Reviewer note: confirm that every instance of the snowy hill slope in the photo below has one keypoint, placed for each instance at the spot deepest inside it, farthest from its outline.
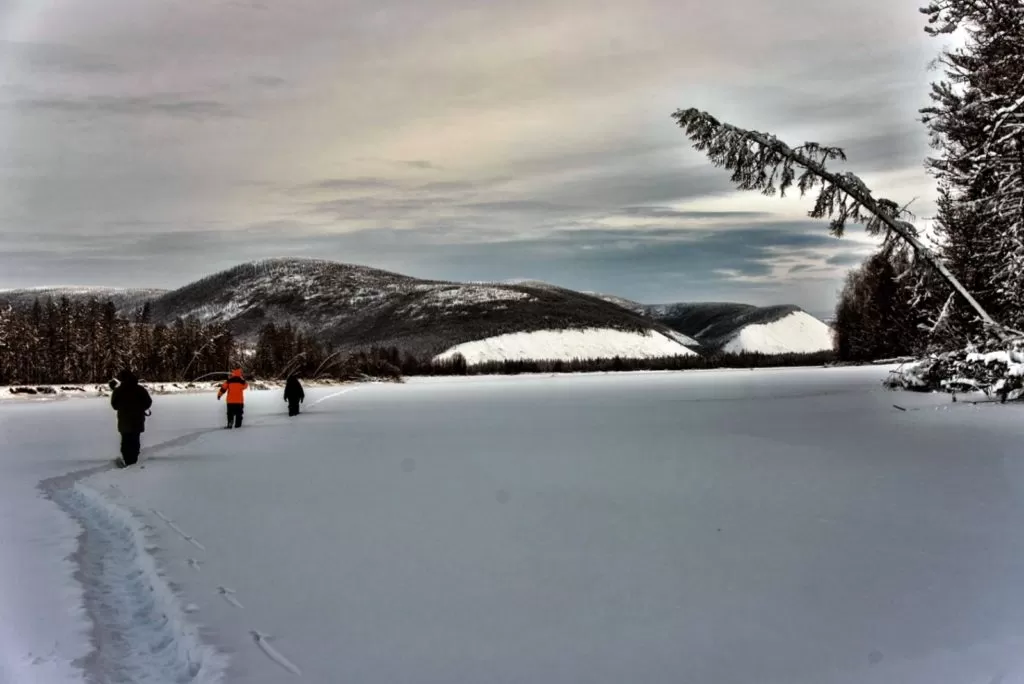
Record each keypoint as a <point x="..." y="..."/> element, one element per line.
<point x="797" y="332"/>
<point x="629" y="304"/>
<point x="356" y="306"/>
<point x="567" y="345"/>
<point x="743" y="328"/>
<point x="125" y="299"/>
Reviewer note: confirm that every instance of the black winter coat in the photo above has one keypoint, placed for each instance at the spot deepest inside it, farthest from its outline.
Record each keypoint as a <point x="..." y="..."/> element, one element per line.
<point x="293" y="390"/>
<point x="131" y="401"/>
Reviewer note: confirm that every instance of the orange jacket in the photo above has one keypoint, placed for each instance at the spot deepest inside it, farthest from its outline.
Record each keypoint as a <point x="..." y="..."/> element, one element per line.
<point x="234" y="387"/>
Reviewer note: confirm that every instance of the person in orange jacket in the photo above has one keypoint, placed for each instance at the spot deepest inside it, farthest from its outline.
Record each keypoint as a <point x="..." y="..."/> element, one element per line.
<point x="234" y="387"/>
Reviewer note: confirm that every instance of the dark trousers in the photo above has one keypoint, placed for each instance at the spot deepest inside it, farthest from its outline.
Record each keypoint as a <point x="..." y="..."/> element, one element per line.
<point x="293" y="407"/>
<point x="235" y="414"/>
<point x="130" y="447"/>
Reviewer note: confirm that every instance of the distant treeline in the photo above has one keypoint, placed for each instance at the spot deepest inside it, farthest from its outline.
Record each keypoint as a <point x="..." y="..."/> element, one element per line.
<point x="85" y="342"/>
<point x="458" y="365"/>
<point x="68" y="342"/>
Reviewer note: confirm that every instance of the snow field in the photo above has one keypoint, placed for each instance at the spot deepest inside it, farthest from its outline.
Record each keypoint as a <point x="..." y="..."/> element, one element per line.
<point x="770" y="526"/>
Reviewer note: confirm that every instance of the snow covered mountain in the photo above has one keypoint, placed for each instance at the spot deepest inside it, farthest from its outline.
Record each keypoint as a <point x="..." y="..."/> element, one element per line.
<point x="355" y="306"/>
<point x="743" y="328"/>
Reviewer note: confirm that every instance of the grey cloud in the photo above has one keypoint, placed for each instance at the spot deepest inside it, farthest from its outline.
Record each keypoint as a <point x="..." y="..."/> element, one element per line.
<point x="604" y="190"/>
<point x="888" y="149"/>
<point x="247" y="5"/>
<point x="366" y="183"/>
<point x="847" y="259"/>
<point x="460" y="186"/>
<point x="270" y="81"/>
<point x="666" y="213"/>
<point x="382" y="209"/>
<point x="528" y="116"/>
<point x="98" y="105"/>
<point x="602" y="251"/>
<point x="55" y="57"/>
<point x="524" y="206"/>
<point x="378" y="183"/>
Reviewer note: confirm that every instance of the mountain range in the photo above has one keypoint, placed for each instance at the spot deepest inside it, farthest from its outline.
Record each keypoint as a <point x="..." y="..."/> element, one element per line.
<point x="356" y="307"/>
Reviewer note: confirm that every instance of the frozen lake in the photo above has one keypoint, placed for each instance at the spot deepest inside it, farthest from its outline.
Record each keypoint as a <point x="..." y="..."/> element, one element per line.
<point x="778" y="526"/>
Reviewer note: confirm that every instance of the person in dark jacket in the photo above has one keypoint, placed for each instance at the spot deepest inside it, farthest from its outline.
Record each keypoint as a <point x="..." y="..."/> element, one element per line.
<point x="293" y="394"/>
<point x="131" y="401"/>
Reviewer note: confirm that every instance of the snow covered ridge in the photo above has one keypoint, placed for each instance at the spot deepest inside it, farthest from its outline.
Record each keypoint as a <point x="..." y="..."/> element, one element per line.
<point x="357" y="307"/>
<point x="742" y="328"/>
<point x="798" y="332"/>
<point x="567" y="345"/>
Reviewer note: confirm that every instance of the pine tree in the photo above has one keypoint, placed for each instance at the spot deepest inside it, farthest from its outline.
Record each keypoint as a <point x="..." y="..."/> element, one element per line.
<point x="874" y="315"/>
<point x="976" y="122"/>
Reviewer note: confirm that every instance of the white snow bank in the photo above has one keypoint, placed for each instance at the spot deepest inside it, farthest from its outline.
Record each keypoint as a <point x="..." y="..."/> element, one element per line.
<point x="796" y="333"/>
<point x="91" y="391"/>
<point x="1007" y="357"/>
<point x="566" y="345"/>
<point x="30" y="392"/>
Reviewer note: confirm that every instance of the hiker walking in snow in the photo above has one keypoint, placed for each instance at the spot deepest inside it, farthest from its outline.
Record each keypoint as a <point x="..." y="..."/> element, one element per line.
<point x="293" y="394"/>
<point x="234" y="387"/>
<point x="132" y="403"/>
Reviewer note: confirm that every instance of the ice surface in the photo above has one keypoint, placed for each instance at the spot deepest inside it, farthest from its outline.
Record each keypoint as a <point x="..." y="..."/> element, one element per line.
<point x="566" y="345"/>
<point x="795" y="333"/>
<point x="721" y="526"/>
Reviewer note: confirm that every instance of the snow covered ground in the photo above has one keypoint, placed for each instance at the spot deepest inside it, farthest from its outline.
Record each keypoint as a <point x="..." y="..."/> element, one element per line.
<point x="795" y="333"/>
<point x="777" y="526"/>
<point x="566" y="345"/>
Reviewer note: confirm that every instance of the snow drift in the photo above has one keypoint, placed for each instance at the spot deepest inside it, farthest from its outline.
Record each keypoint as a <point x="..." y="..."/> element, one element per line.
<point x="566" y="345"/>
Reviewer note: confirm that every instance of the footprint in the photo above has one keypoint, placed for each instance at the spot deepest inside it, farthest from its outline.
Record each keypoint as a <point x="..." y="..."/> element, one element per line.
<point x="192" y="540"/>
<point x="174" y="526"/>
<point x="263" y="641"/>
<point x="229" y="596"/>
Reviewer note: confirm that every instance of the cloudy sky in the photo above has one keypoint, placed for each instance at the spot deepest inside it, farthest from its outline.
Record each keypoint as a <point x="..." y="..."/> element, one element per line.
<point x="150" y="142"/>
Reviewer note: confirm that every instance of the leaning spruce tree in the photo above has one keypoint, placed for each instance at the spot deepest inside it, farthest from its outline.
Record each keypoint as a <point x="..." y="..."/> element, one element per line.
<point x="760" y="161"/>
<point x="977" y="124"/>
